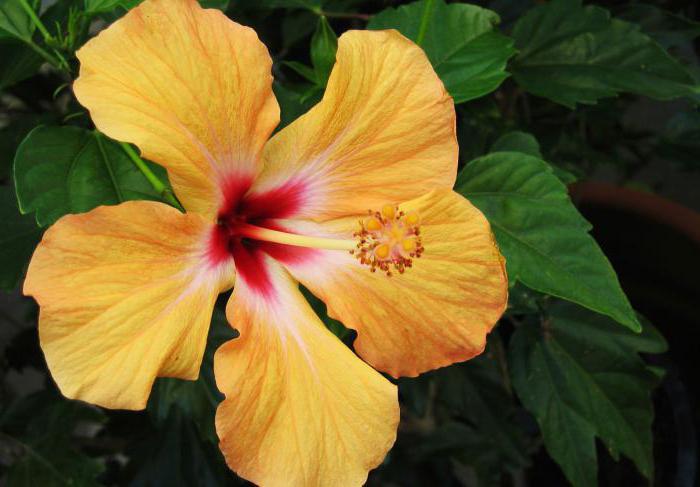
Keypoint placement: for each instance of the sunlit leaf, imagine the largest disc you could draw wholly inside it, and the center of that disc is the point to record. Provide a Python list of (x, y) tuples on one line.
[(461, 41), (543, 237)]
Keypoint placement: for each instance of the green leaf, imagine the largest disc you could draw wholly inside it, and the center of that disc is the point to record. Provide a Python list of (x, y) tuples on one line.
[(197, 400), (61, 170), (217, 4), (581, 376), (14, 21), (324, 45), (12, 134), (311, 5), (543, 237), (668, 29), (18, 238), (295, 101), (475, 391), (302, 70), (177, 457), (461, 41), (573, 54), (17, 62), (517, 141), (96, 7), (42, 427), (335, 326), (680, 141)]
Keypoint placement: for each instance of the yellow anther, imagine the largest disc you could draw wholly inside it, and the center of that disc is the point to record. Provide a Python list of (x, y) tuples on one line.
[(388, 240), (382, 251), (409, 244), (412, 218), (389, 211), (373, 224)]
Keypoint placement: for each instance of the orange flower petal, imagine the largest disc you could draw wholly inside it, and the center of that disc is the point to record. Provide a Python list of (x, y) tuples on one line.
[(384, 131), (124, 298), (439, 311), (188, 86), (300, 407)]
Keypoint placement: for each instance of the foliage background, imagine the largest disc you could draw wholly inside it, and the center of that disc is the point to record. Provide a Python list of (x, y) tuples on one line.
[(547, 94)]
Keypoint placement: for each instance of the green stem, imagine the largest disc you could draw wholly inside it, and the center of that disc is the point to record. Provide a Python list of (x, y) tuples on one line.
[(424, 20), (35, 19), (103, 153), (61, 63), (41, 52), (157, 184)]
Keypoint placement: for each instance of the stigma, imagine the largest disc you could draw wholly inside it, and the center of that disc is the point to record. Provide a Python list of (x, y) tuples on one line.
[(388, 240)]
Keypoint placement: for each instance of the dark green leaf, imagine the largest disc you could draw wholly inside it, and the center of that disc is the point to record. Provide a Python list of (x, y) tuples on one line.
[(475, 391), (312, 5), (60, 170), (295, 101), (668, 29), (461, 41), (573, 54), (18, 237), (543, 237), (335, 326), (42, 426), (197, 400), (582, 377), (177, 457), (14, 20), (302, 70), (680, 141), (17, 62), (324, 44), (12, 134), (218, 4), (95, 7), (517, 141)]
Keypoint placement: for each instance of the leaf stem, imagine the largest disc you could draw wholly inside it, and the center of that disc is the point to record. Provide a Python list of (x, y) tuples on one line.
[(424, 20), (41, 52), (157, 184), (48, 38)]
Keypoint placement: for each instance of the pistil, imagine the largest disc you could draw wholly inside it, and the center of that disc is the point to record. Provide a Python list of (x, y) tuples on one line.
[(254, 232)]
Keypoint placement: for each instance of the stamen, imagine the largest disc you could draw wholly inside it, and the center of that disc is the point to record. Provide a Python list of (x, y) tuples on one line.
[(268, 235), (388, 240)]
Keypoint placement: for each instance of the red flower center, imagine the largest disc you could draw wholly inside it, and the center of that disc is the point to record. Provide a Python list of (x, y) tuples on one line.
[(262, 209)]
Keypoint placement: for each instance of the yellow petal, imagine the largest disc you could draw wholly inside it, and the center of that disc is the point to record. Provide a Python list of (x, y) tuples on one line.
[(190, 88), (439, 311), (125, 295), (301, 409), (383, 133)]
